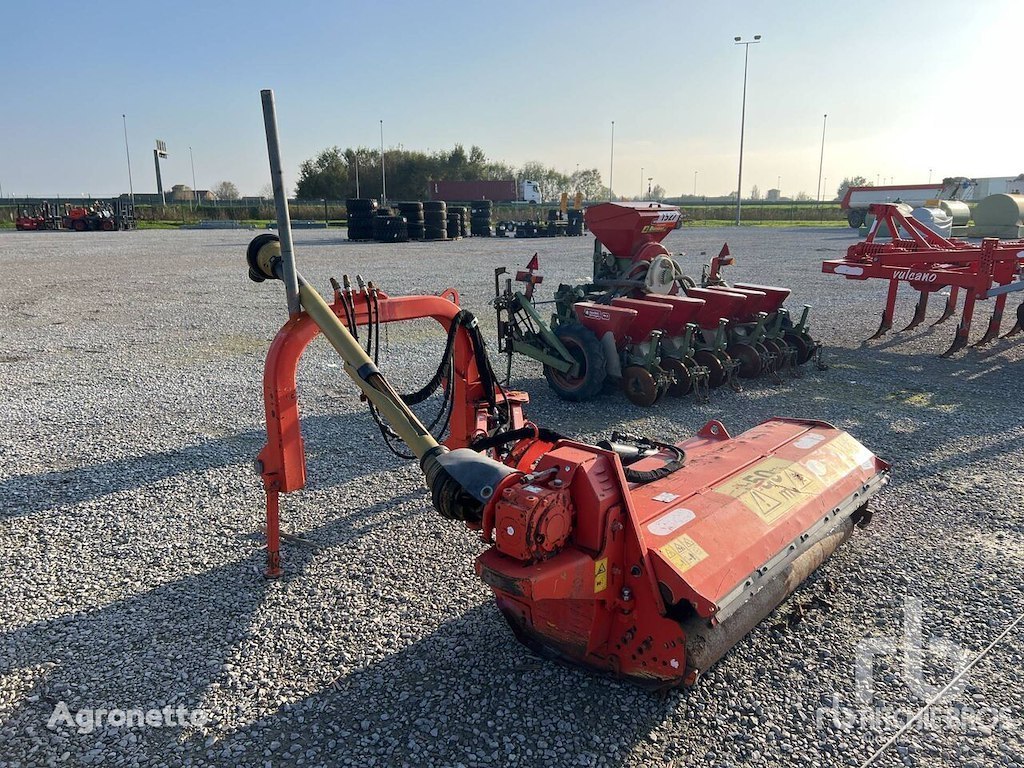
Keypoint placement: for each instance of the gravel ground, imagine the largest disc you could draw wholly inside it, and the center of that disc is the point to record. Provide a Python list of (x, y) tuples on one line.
[(130, 525)]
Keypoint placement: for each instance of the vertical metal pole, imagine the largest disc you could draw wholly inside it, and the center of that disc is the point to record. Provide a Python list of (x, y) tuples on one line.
[(327, 222), (641, 182), (357, 177), (284, 222), (383, 177), (821, 161), (159, 181), (611, 164), (131, 189), (743, 119), (694, 183), (192, 162)]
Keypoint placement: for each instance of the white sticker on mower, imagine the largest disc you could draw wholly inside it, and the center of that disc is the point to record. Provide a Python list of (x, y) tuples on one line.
[(809, 440), (671, 522), (817, 467), (596, 314), (532, 488), (846, 269)]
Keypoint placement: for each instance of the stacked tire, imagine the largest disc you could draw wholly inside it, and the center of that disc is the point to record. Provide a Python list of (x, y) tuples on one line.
[(415, 223), (454, 225), (480, 218), (388, 228), (462, 219), (361, 214), (435, 220)]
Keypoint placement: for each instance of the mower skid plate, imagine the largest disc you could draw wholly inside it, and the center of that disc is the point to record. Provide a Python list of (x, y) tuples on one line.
[(743, 509)]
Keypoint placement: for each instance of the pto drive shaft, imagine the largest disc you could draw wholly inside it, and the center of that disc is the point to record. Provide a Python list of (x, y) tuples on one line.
[(461, 481)]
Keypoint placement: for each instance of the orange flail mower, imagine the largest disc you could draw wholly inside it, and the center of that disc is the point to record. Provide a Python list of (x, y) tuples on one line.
[(633, 557)]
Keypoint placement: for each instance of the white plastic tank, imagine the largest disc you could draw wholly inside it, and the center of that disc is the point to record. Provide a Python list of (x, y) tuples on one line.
[(959, 210), (936, 219)]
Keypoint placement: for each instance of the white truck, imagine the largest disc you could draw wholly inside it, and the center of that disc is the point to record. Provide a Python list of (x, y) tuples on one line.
[(529, 192)]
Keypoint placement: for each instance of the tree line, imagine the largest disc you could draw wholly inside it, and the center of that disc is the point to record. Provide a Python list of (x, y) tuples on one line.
[(332, 174)]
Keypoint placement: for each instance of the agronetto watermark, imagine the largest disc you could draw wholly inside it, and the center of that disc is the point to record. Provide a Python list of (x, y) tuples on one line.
[(87, 720), (942, 705)]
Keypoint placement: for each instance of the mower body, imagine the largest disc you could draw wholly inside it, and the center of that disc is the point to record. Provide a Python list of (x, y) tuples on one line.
[(656, 582)]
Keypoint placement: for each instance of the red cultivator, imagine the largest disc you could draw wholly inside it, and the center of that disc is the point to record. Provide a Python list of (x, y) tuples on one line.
[(929, 263)]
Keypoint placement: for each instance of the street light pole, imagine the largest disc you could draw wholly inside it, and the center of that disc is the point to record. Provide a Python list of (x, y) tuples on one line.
[(192, 162), (641, 182), (821, 161), (357, 177), (131, 189), (694, 183), (383, 178), (743, 119), (611, 164)]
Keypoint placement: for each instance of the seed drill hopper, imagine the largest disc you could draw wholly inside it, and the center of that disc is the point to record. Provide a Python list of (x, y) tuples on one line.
[(644, 324), (632, 557), (930, 263)]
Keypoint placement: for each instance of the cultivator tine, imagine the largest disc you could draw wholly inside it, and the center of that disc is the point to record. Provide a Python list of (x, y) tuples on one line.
[(963, 330), (919, 312), (890, 308), (1017, 327), (992, 332), (950, 306)]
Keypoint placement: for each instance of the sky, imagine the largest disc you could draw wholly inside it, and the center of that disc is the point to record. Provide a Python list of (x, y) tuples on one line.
[(910, 89)]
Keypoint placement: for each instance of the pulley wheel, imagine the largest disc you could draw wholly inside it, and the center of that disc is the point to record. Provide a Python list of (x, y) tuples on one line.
[(750, 360), (683, 378), (640, 386), (714, 364)]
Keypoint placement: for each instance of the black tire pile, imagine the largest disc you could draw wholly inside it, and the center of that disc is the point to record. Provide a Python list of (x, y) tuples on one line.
[(415, 223), (388, 228), (360, 213), (435, 220), (454, 225), (463, 220), (480, 218)]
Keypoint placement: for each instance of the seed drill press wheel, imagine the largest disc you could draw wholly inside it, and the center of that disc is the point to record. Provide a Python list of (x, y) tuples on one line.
[(803, 349), (750, 360), (640, 386), (585, 348), (683, 378), (714, 364)]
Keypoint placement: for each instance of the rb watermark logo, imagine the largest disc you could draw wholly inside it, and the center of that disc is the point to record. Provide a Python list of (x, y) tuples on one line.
[(87, 720), (942, 708)]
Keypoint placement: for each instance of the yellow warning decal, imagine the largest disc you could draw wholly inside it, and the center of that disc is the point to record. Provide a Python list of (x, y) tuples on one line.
[(600, 575), (683, 552), (772, 488)]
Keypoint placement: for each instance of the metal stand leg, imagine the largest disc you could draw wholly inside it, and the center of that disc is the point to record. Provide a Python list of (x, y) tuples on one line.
[(273, 570)]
